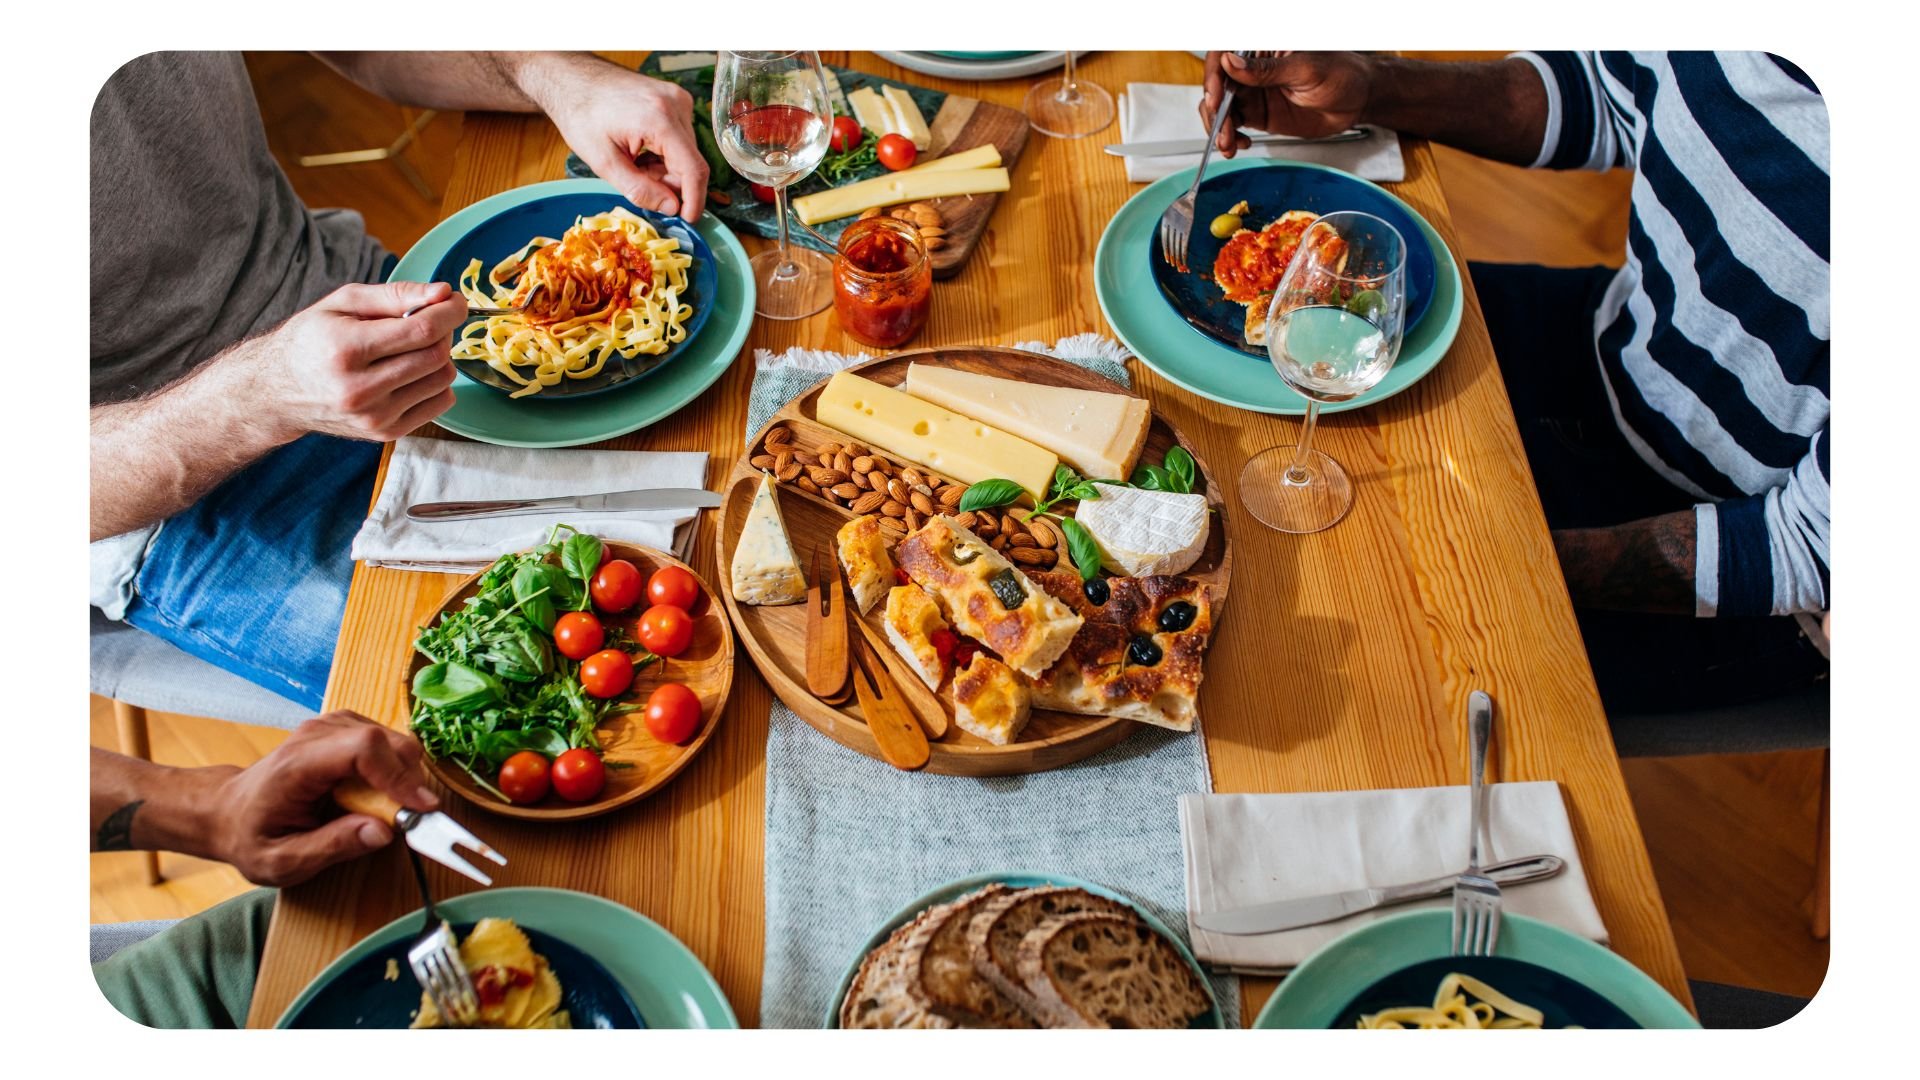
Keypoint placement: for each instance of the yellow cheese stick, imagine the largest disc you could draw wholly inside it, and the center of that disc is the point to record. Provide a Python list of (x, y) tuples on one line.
[(980, 157), (900, 187)]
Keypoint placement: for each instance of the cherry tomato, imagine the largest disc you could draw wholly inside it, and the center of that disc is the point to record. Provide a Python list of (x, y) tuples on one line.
[(578, 775), (945, 642), (964, 651), (900, 577), (846, 133), (666, 631), (674, 587), (673, 713), (762, 192), (578, 635), (617, 586), (523, 777), (897, 151), (607, 673)]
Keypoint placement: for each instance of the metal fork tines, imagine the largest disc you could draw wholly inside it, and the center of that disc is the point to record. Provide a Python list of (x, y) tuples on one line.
[(1476, 899), (1176, 224), (435, 962)]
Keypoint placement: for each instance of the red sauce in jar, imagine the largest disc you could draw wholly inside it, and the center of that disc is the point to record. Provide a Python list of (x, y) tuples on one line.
[(882, 282)]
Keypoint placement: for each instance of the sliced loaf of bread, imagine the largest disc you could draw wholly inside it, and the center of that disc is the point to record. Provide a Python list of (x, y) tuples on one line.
[(879, 997), (997, 928), (940, 973), (1097, 970)]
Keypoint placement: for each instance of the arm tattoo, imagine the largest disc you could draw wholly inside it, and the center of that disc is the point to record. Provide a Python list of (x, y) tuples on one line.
[(1644, 565), (116, 833)]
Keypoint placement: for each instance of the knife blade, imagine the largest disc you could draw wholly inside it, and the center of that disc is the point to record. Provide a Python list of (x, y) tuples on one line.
[(1314, 910), (432, 834), (642, 499), (1172, 147)]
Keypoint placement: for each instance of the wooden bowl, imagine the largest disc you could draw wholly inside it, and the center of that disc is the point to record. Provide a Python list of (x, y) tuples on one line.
[(706, 667), (776, 637)]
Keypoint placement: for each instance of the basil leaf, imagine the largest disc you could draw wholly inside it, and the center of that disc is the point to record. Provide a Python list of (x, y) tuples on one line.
[(1063, 478), (1152, 478), (988, 494), (457, 687), (1082, 546), (580, 556), (1180, 466), (498, 746), (1083, 490), (533, 588)]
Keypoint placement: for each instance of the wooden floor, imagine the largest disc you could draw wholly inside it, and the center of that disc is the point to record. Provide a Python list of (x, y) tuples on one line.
[(1732, 838)]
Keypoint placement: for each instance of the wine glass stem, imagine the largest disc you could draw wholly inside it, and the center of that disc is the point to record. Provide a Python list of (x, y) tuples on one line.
[(1297, 472), (786, 269), (1069, 87)]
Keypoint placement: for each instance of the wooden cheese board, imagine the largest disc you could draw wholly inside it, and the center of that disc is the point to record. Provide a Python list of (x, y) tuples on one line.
[(775, 636), (637, 763)]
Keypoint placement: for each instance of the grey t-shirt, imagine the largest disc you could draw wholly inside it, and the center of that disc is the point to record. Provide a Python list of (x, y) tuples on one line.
[(198, 240)]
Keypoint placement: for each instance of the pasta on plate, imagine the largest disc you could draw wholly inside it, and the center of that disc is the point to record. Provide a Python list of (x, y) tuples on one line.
[(516, 987), (612, 284), (1452, 1009)]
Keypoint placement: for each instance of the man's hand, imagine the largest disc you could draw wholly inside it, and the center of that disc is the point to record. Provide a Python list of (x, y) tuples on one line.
[(610, 116), (1296, 93)]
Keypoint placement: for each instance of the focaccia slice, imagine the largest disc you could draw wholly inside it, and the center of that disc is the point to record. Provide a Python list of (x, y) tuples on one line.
[(1098, 676), (863, 554), (990, 701), (986, 597), (912, 618)]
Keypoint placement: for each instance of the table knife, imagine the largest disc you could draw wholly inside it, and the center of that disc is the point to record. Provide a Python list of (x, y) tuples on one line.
[(1314, 910), (1172, 147), (644, 499), (432, 834)]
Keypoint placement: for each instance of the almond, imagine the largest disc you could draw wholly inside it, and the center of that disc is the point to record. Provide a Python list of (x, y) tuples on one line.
[(951, 494), (868, 502), (914, 477), (863, 479), (893, 527), (923, 207), (791, 473), (829, 449), (899, 490), (1022, 540), (965, 518), (779, 436), (935, 243), (782, 459), (763, 462), (826, 477), (923, 504), (1000, 542), (846, 491), (872, 213), (843, 462), (929, 220), (901, 213), (1043, 532), (1032, 556), (914, 520), (806, 485), (863, 463), (984, 523), (932, 232), (893, 508), (857, 449)]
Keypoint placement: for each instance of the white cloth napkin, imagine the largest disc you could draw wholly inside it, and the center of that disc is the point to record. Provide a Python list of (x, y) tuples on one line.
[(1255, 849), (446, 470), (1153, 112)]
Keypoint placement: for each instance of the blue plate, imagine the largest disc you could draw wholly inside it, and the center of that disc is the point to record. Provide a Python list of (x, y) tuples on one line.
[(1269, 193), (363, 997), (501, 234), (1561, 1001), (1018, 879)]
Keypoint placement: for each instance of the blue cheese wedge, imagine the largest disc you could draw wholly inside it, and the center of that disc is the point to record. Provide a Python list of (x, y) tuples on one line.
[(1142, 533), (765, 570)]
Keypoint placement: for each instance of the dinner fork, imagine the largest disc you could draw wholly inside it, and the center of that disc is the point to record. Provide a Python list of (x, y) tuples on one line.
[(1476, 899), (436, 962), (474, 312), (1176, 225)]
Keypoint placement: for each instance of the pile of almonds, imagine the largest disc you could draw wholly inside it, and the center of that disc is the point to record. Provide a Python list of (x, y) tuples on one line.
[(922, 216), (904, 496)]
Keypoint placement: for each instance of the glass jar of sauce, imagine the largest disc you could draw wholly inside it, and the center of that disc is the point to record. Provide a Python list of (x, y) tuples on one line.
[(882, 282)]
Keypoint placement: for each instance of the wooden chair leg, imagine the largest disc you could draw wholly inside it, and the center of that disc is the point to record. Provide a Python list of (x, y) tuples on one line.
[(1817, 903), (132, 722)]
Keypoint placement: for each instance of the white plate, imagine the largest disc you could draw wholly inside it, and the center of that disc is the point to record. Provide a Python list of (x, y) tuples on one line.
[(928, 64)]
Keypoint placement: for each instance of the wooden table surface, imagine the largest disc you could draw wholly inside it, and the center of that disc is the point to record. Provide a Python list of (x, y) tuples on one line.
[(1345, 664)]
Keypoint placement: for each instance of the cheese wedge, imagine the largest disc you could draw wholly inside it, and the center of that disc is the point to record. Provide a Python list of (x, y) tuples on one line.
[(926, 434), (980, 157), (765, 570), (907, 117), (1100, 435), (900, 187), (674, 62), (871, 110), (1144, 533)]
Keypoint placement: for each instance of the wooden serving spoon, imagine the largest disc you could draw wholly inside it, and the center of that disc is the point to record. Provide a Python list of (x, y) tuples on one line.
[(898, 734)]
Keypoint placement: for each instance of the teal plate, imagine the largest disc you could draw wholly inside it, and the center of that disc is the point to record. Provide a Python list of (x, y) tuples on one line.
[(1319, 990), (668, 984), (1003, 54), (1018, 879), (1155, 333), (483, 413)]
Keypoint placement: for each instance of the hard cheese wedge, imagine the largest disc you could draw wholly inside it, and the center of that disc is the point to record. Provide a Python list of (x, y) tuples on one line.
[(986, 156), (900, 187), (1142, 533), (1098, 434), (924, 433), (765, 570), (909, 121), (871, 110)]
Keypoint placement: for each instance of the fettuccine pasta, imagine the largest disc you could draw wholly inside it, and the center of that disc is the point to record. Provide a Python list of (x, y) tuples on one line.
[(611, 284), (1452, 1009)]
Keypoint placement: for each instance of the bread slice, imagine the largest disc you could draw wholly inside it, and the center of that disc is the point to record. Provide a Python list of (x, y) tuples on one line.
[(878, 996), (1097, 970), (940, 975), (996, 930)]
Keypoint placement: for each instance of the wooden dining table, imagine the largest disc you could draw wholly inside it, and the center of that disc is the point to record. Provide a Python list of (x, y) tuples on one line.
[(1346, 663)]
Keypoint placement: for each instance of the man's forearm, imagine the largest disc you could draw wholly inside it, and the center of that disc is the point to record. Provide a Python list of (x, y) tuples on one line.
[(1496, 109), (490, 81), (139, 806), (1644, 565), (152, 458)]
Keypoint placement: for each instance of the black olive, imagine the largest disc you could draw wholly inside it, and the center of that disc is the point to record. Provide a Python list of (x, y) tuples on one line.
[(1142, 651), (1177, 616), (1096, 590), (1007, 589)]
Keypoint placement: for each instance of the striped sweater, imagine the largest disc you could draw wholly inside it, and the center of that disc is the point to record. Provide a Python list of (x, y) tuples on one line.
[(1713, 337)]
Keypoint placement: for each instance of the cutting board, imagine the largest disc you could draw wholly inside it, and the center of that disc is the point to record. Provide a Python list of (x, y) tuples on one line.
[(955, 122)]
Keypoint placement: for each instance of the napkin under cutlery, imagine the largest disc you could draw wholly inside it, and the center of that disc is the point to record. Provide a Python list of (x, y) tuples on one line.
[(448, 470), (1150, 112), (1253, 849)]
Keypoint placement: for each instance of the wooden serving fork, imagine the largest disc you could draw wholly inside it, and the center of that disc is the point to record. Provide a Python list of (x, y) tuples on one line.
[(826, 631), (933, 715), (898, 734)]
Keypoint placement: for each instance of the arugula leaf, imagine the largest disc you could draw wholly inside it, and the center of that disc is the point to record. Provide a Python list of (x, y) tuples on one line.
[(1083, 548), (988, 494), (841, 165)]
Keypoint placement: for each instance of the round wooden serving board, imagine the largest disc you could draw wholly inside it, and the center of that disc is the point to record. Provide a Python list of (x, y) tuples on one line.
[(776, 637), (637, 763)]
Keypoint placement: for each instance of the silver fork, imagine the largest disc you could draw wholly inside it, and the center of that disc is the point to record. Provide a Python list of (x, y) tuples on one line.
[(436, 962), (1176, 224), (1476, 899)]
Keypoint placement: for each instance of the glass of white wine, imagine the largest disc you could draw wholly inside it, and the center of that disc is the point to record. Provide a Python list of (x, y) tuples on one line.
[(774, 118), (1067, 106), (1334, 329)]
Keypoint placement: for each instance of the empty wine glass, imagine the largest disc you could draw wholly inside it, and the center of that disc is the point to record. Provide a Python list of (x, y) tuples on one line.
[(774, 118), (1068, 107), (1333, 330)]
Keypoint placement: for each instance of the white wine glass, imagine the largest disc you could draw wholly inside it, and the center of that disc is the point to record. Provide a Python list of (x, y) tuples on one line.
[(1334, 329), (774, 118), (1069, 107)]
